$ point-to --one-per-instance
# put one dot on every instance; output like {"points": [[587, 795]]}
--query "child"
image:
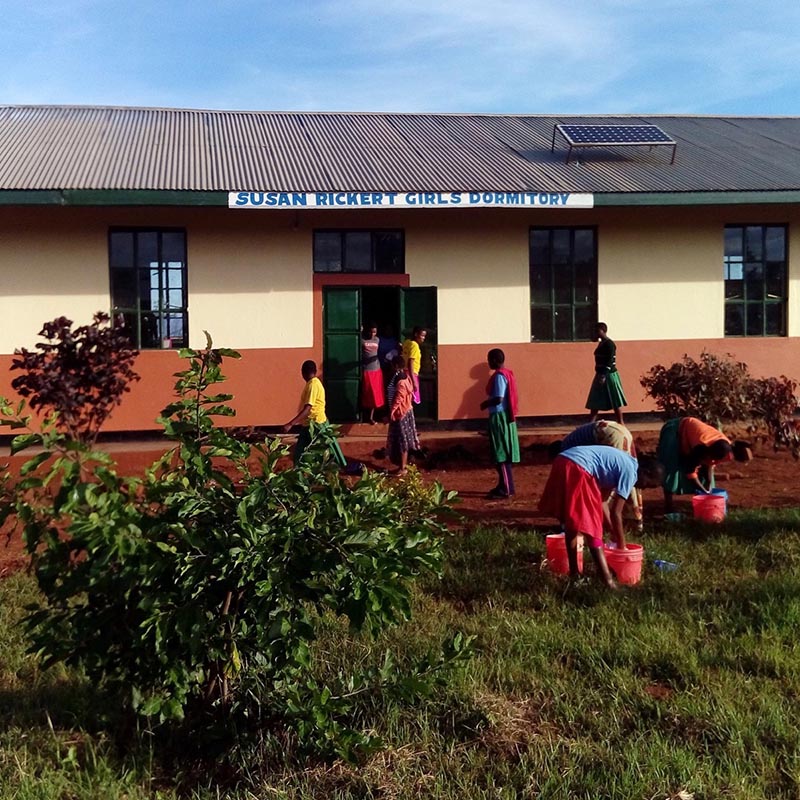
{"points": [[388, 348], [412, 353], [312, 416], [402, 435], [606, 389], [574, 494], [688, 446], [611, 434], [372, 394], [503, 438]]}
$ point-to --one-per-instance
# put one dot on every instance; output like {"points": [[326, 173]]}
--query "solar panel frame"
{"points": [[597, 135]]}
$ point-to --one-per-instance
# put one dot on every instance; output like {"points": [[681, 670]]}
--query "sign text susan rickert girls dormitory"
{"points": [[270, 200]]}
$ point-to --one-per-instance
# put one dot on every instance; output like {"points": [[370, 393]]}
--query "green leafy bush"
{"points": [[720, 390], [194, 594]]}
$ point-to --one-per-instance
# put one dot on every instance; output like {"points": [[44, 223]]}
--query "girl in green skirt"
{"points": [[606, 392]]}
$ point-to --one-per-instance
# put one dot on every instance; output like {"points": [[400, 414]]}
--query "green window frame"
{"points": [[149, 293], [755, 270], [563, 283], [359, 251]]}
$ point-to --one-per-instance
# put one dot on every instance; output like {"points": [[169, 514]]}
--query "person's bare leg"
{"points": [[618, 415], [667, 501], [602, 566], [571, 540], [592, 415]]}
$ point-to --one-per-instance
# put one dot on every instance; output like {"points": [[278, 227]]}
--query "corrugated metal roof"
{"points": [[92, 148]]}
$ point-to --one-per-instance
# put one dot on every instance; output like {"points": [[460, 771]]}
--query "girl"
{"points": [[412, 353], [372, 396], [580, 479], [606, 390], [503, 437], [688, 447], [610, 434], [402, 435]]}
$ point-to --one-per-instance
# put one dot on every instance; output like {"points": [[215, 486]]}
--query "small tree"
{"points": [[774, 403], [81, 374], [194, 595], [714, 388], [720, 390]]}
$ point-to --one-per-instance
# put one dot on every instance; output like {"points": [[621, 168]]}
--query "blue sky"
{"points": [[494, 56]]}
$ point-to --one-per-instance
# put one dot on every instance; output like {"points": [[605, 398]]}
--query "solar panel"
{"points": [[612, 136]]}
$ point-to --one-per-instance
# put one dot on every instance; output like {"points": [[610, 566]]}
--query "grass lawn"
{"points": [[688, 683]]}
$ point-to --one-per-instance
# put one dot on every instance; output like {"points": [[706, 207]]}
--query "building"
{"points": [[280, 233]]}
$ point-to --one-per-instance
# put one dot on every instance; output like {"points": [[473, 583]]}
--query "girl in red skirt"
{"points": [[580, 481], [372, 395]]}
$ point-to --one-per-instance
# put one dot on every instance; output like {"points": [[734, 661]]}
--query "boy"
{"points": [[312, 416], [503, 437]]}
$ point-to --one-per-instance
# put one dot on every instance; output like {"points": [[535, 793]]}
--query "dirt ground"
{"points": [[460, 461], [770, 480]]}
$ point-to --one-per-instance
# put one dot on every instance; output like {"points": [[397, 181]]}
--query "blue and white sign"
{"points": [[273, 200]]}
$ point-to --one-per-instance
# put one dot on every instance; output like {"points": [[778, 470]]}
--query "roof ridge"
{"points": [[297, 112]]}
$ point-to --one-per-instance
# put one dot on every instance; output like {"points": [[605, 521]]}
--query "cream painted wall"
{"points": [[481, 271], [249, 275], [48, 268], [660, 278], [793, 310], [250, 288], [660, 270]]}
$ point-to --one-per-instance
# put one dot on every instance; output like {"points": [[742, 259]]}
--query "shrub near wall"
{"points": [[720, 391]]}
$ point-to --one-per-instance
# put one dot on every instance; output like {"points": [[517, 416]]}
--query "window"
{"points": [[148, 286], [563, 278], [755, 280], [359, 251]]}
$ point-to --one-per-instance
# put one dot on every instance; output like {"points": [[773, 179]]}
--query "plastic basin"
{"points": [[556, 548], [626, 564]]}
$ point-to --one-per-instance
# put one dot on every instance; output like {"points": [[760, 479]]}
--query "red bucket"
{"points": [[556, 547], [626, 564], [709, 507]]}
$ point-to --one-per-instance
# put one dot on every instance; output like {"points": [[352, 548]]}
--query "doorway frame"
{"points": [[344, 280]]}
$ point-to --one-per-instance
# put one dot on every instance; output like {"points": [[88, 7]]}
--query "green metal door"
{"points": [[418, 308], [341, 335]]}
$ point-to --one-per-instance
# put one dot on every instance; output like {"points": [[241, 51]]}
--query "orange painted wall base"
{"points": [[553, 378]]}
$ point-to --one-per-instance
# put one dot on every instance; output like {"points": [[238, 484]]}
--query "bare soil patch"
{"points": [[461, 462]]}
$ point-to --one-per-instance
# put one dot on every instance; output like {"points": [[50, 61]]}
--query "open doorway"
{"points": [[395, 310]]}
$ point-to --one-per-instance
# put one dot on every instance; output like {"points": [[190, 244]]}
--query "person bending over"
{"points": [[690, 449], [581, 480], [610, 434]]}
